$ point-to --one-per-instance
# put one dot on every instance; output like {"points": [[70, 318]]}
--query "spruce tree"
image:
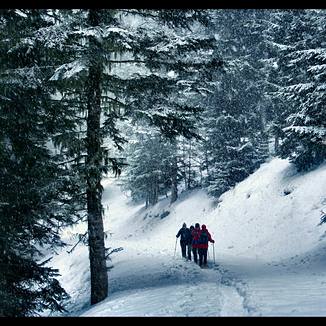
{"points": [[35, 194], [298, 86], [116, 66], [235, 140], [150, 164]]}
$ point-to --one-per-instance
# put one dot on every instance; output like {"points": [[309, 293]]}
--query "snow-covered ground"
{"points": [[270, 253]]}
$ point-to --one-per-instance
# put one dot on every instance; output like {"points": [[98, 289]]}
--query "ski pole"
{"points": [[175, 247], [214, 252]]}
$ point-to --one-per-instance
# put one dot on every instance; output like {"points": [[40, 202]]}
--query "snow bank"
{"points": [[270, 216], [273, 214]]}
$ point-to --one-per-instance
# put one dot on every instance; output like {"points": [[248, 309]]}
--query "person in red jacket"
{"points": [[195, 237], [203, 237]]}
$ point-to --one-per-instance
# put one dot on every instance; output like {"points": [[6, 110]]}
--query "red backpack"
{"points": [[203, 239], [195, 236]]}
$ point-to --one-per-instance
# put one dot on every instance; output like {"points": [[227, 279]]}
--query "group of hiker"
{"points": [[195, 239]]}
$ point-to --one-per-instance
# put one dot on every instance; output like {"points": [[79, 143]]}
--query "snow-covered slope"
{"points": [[265, 229], [272, 214]]}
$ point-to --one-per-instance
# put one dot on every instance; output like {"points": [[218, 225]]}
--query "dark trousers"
{"points": [[202, 256], [189, 251], [185, 250], [195, 254]]}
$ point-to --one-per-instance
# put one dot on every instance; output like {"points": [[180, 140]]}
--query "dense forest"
{"points": [[166, 100]]}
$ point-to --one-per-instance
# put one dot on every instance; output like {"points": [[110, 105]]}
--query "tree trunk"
{"points": [[206, 162], [276, 144], [98, 268], [184, 163], [147, 200], [174, 186], [150, 196], [156, 194], [153, 195], [189, 167]]}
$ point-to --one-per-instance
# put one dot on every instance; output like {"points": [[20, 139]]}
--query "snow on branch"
{"points": [[52, 37], [318, 53], [302, 87], [282, 47], [322, 218], [319, 132], [69, 70], [121, 36]]}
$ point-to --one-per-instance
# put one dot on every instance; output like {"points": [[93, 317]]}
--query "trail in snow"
{"points": [[270, 255], [278, 289], [176, 288], [147, 279]]}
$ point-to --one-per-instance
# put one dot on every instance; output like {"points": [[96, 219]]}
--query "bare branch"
{"points": [[81, 238]]}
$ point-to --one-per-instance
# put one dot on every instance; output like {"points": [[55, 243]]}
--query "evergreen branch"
{"points": [[72, 160], [115, 100], [81, 238], [127, 61], [55, 17], [107, 256]]}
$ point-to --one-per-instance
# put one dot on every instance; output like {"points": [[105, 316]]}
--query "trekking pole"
{"points": [[175, 247], [214, 253]]}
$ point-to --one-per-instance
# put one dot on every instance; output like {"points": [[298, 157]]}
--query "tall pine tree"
{"points": [[115, 65], [234, 131], [35, 194], [299, 85]]}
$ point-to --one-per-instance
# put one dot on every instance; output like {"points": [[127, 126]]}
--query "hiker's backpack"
{"points": [[188, 236], [203, 238], [184, 235], [194, 234]]}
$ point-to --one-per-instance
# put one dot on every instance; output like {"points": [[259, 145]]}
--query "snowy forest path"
{"points": [[148, 263], [159, 285], [276, 288], [147, 280]]}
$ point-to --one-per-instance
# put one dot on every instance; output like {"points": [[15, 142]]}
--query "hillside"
{"points": [[269, 252]]}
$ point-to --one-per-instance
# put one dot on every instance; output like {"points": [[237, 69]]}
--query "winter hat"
{"points": [[203, 227], [197, 225], [184, 225]]}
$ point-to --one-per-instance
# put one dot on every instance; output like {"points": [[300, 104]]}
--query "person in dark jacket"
{"points": [[203, 237], [184, 234], [195, 237], [189, 245]]}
